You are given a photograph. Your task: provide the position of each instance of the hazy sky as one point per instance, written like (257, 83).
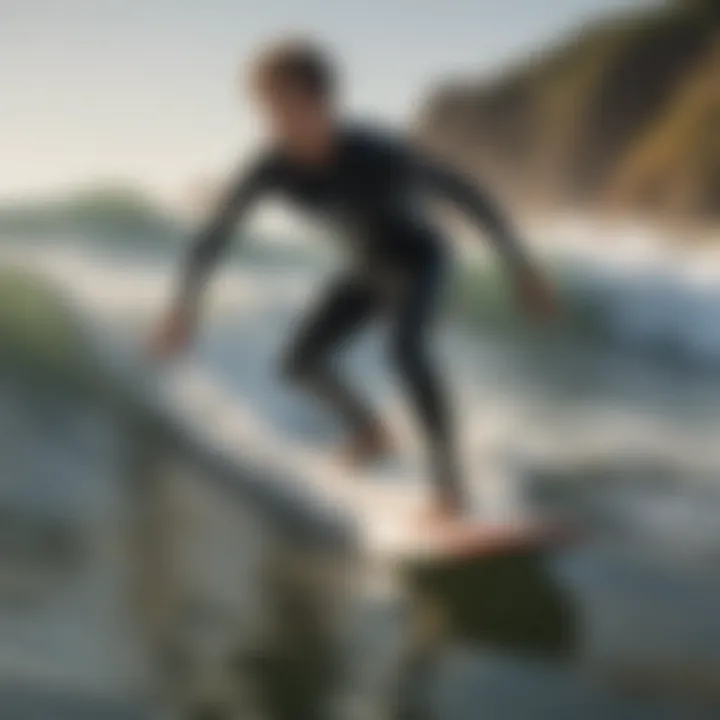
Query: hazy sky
(146, 89)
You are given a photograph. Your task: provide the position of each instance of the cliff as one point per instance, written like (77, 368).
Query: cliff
(624, 115)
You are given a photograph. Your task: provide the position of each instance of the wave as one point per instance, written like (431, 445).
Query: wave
(665, 313)
(663, 307)
(44, 341)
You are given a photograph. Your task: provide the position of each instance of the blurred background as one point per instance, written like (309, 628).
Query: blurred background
(174, 542)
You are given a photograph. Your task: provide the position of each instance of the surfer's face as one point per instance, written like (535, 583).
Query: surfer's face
(297, 119)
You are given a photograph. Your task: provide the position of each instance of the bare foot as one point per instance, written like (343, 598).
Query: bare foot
(440, 512)
(366, 446)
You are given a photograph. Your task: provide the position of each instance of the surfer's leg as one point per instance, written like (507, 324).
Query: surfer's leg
(412, 356)
(341, 312)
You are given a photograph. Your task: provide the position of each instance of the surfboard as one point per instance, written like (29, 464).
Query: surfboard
(474, 538)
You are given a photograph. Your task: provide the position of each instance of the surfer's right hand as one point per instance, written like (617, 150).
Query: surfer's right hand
(172, 336)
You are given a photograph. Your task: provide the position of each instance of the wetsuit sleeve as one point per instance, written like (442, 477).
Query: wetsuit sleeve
(476, 201)
(214, 237)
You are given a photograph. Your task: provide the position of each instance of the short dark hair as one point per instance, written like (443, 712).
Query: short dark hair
(302, 63)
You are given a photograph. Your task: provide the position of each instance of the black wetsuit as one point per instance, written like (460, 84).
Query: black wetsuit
(372, 192)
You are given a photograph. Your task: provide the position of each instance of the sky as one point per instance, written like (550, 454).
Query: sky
(146, 91)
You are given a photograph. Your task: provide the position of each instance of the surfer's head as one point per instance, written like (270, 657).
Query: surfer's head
(295, 84)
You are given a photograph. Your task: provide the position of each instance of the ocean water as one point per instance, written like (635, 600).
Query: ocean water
(610, 417)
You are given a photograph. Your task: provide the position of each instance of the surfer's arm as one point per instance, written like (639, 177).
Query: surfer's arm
(177, 328)
(477, 202)
(216, 234)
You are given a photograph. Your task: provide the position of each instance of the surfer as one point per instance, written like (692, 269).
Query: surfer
(371, 187)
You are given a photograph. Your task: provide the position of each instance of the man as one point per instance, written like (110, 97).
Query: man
(371, 187)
